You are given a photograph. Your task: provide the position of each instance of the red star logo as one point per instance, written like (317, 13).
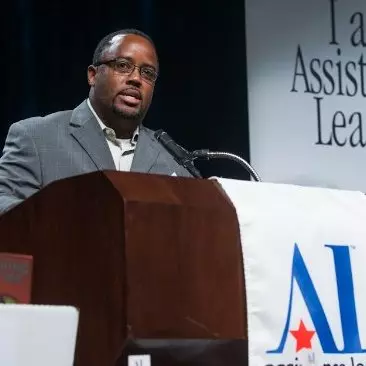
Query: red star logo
(302, 336)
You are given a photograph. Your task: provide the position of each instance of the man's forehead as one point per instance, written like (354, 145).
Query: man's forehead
(133, 39)
(115, 42)
(131, 43)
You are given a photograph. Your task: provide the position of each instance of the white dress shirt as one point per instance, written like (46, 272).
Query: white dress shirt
(122, 150)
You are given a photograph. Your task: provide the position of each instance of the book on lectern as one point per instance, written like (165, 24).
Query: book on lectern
(15, 278)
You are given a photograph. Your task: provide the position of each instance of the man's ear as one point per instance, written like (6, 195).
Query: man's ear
(92, 71)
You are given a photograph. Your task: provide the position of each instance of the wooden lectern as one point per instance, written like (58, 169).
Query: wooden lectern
(153, 262)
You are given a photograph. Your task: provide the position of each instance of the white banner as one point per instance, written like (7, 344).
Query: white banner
(304, 262)
(306, 89)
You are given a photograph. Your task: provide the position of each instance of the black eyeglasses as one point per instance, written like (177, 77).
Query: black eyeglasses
(126, 67)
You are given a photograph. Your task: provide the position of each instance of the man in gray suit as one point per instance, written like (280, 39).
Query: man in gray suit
(104, 132)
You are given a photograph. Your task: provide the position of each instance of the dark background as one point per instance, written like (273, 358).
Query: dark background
(201, 93)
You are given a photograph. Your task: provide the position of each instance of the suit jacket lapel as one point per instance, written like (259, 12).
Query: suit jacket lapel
(86, 130)
(146, 153)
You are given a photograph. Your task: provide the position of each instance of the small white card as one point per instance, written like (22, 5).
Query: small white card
(139, 360)
(37, 335)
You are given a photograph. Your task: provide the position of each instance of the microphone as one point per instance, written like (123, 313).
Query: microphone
(180, 154)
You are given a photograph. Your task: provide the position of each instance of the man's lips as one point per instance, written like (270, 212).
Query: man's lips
(131, 97)
(132, 93)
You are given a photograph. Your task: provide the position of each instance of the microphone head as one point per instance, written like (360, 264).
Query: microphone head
(179, 153)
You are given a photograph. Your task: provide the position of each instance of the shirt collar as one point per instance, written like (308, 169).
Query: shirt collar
(104, 128)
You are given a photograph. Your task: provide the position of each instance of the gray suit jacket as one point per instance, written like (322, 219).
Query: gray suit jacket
(40, 150)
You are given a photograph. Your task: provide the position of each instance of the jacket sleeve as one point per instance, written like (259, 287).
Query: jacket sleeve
(20, 172)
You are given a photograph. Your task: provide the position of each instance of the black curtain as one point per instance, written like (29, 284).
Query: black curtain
(201, 94)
